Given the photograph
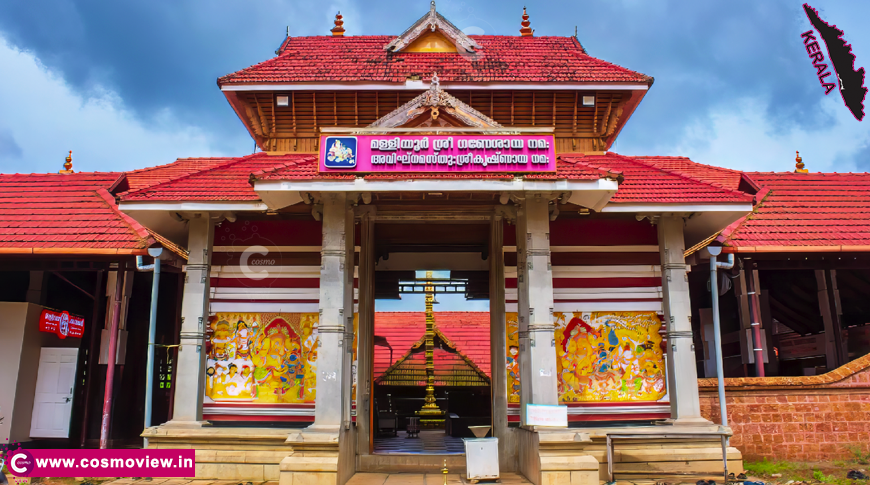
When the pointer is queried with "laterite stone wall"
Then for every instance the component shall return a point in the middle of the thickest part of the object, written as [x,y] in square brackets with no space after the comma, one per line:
[796,418]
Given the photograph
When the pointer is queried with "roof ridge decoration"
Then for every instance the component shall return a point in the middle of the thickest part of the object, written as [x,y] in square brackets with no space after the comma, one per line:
[338,30]
[798,165]
[435,99]
[527,31]
[67,167]
[432,21]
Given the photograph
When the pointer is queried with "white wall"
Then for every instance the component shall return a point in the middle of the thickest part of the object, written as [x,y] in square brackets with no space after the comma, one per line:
[20,344]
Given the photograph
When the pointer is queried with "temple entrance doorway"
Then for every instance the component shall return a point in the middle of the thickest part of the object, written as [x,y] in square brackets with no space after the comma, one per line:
[431,369]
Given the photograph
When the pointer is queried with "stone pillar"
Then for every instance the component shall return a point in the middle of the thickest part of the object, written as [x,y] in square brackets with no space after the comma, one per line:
[537,357]
[190,367]
[498,342]
[682,372]
[365,342]
[336,310]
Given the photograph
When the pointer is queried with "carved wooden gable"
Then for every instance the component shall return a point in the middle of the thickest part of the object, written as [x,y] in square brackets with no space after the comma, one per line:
[432,22]
[435,108]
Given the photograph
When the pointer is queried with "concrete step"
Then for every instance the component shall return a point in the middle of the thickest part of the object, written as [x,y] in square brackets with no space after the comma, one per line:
[410,463]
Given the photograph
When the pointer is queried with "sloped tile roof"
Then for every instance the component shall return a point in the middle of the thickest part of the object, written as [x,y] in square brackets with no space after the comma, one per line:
[725,177]
[146,177]
[642,179]
[451,369]
[645,181]
[65,214]
[467,332]
[805,212]
[225,181]
[500,59]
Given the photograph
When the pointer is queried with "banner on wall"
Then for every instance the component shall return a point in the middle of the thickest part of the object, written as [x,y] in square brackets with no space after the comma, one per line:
[61,324]
[601,357]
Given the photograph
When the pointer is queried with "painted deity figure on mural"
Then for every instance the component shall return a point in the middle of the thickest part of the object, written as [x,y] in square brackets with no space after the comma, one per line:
[604,356]
[272,358]
[221,341]
[243,340]
[310,380]
[513,370]
[262,357]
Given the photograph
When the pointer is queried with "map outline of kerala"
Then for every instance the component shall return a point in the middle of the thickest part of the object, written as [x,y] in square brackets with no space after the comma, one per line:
[840,54]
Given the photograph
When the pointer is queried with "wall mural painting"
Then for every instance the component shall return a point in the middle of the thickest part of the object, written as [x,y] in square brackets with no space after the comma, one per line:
[262,357]
[601,356]
[513,353]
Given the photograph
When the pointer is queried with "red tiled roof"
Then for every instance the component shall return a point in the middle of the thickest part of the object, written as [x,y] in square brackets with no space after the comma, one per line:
[65,214]
[227,181]
[723,176]
[799,211]
[645,181]
[146,177]
[468,332]
[500,59]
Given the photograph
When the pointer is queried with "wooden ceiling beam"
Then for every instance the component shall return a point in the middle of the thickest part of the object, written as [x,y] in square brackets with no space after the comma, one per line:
[791,319]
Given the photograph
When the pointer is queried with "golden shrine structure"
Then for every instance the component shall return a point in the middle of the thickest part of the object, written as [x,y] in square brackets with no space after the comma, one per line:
[380,157]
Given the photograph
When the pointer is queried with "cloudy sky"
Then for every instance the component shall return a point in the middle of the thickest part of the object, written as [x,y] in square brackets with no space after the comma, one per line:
[132,83]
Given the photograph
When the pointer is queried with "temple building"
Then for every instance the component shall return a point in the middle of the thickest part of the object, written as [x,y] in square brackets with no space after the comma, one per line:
[484,160]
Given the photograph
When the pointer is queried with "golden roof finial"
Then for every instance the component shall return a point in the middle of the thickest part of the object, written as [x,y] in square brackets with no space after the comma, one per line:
[526,31]
[799,164]
[338,30]
[68,165]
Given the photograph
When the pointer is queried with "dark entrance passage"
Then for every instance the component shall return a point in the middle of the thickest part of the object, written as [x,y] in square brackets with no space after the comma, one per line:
[432,373]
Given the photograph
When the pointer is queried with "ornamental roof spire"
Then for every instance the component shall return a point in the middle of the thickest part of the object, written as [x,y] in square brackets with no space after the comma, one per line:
[526,31]
[799,164]
[338,30]
[67,167]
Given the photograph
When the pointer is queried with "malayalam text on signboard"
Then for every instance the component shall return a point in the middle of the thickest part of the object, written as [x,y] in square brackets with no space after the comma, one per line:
[437,153]
[62,324]
[546,415]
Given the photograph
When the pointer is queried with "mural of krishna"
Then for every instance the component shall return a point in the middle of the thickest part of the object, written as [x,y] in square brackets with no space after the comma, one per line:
[262,357]
[601,357]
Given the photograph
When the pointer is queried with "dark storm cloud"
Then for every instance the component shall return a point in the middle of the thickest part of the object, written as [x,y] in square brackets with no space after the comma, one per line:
[704,54]
[154,54]
[159,54]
